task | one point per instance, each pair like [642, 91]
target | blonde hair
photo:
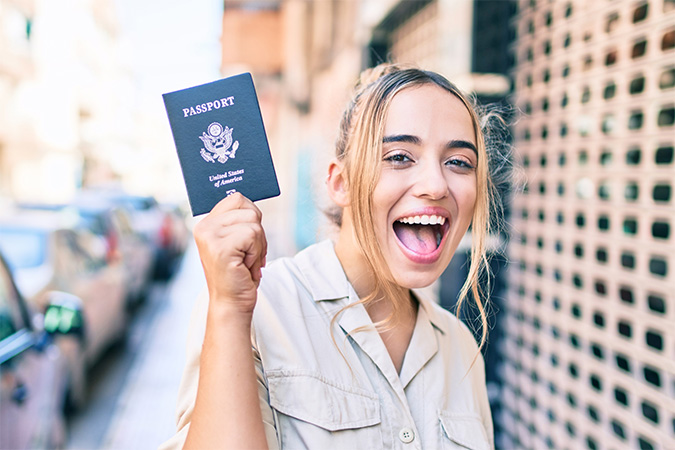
[359, 145]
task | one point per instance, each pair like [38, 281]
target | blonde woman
[333, 349]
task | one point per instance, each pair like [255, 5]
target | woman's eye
[398, 158]
[460, 163]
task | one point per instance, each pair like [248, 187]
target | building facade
[589, 344]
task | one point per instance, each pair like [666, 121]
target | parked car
[124, 244]
[46, 254]
[156, 224]
[33, 375]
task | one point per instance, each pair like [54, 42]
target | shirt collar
[327, 280]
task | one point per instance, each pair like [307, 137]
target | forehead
[429, 111]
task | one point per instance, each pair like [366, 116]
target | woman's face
[424, 200]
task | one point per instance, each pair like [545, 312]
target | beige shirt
[332, 385]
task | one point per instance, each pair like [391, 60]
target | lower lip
[419, 258]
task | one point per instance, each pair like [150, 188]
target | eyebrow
[455, 143]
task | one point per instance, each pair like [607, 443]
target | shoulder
[306, 269]
[291, 287]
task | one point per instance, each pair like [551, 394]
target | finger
[253, 244]
[236, 216]
[235, 201]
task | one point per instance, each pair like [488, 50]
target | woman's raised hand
[232, 247]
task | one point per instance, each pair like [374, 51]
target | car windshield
[23, 248]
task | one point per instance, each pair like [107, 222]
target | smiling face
[424, 199]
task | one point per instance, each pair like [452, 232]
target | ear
[338, 188]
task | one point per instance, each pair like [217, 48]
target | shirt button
[406, 435]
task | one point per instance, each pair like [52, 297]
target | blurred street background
[99, 272]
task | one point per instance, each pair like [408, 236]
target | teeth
[423, 220]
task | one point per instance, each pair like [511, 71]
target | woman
[332, 348]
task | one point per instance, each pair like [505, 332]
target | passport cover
[221, 142]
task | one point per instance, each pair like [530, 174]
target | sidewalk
[145, 413]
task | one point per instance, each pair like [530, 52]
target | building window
[630, 226]
[660, 230]
[566, 71]
[635, 120]
[632, 191]
[628, 260]
[625, 329]
[666, 117]
[667, 78]
[585, 95]
[580, 220]
[661, 192]
[656, 304]
[664, 155]
[601, 254]
[650, 412]
[652, 376]
[640, 13]
[668, 40]
[608, 123]
[633, 157]
[621, 396]
[658, 266]
[654, 339]
[578, 250]
[637, 85]
[588, 62]
[626, 295]
[644, 443]
[611, 58]
[618, 430]
[597, 351]
[622, 362]
[610, 91]
[639, 49]
[612, 22]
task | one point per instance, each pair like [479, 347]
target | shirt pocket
[312, 412]
[463, 431]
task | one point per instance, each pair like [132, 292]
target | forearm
[227, 412]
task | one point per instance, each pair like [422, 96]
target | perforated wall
[590, 326]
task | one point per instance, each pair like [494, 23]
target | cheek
[465, 194]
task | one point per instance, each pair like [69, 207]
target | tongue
[417, 238]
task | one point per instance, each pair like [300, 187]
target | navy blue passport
[221, 142]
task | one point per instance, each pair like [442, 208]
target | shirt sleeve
[187, 392]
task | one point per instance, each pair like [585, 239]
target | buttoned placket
[356, 323]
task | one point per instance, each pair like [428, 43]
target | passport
[221, 142]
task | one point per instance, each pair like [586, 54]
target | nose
[431, 182]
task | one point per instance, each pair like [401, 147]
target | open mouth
[421, 234]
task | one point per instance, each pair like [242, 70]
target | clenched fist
[232, 248]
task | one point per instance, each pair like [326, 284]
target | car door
[30, 377]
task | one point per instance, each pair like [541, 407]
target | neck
[361, 276]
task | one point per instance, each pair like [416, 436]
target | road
[132, 391]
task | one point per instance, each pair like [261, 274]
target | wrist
[222, 310]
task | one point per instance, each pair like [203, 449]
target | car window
[122, 222]
[23, 248]
[10, 315]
